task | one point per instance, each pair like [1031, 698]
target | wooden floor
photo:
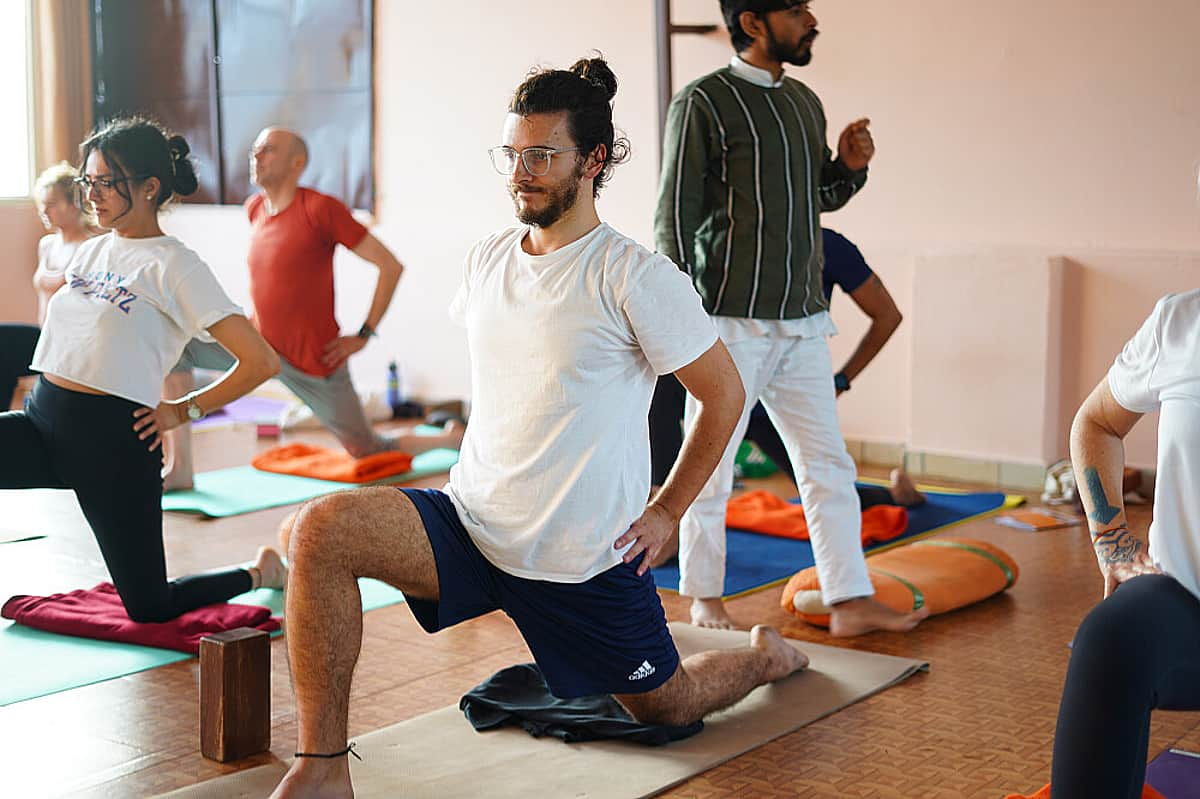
[980, 724]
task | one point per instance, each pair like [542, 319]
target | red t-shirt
[291, 273]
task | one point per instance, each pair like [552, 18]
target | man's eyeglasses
[105, 185]
[536, 159]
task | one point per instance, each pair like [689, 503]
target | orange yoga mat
[306, 460]
[942, 574]
[763, 512]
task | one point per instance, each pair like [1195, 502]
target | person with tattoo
[1139, 649]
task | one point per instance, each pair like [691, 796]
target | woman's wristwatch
[194, 411]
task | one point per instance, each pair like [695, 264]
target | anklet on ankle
[349, 749]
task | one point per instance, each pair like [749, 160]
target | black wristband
[841, 382]
[366, 331]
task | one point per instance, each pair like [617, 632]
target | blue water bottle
[393, 389]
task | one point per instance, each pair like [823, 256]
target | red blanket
[763, 512]
[98, 613]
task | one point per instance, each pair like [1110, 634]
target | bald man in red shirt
[294, 232]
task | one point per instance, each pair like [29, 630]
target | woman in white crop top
[131, 301]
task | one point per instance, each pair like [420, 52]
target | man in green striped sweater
[746, 175]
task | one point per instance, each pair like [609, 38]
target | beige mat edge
[440, 755]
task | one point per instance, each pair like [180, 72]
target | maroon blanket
[98, 613]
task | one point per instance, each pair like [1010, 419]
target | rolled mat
[941, 574]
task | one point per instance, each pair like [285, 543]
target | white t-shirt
[565, 350]
[1159, 369]
[53, 256]
[126, 312]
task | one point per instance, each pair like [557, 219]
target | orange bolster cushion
[942, 574]
[306, 460]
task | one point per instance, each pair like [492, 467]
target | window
[15, 156]
[218, 71]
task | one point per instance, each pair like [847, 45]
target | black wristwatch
[841, 382]
[365, 332]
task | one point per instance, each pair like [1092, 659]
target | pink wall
[1063, 130]
[20, 230]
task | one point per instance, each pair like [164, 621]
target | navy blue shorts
[607, 635]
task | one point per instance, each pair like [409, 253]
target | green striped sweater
[746, 175]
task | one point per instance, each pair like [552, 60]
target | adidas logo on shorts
[644, 671]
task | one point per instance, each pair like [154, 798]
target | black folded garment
[518, 696]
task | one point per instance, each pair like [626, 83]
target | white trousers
[794, 379]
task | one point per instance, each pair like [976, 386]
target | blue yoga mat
[754, 561]
[35, 663]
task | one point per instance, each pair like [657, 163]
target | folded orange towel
[1044, 793]
[763, 512]
[305, 460]
[942, 574]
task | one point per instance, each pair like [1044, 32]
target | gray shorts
[332, 399]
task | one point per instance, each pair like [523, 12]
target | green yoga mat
[34, 663]
[242, 489]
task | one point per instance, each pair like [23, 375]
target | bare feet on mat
[903, 490]
[270, 566]
[867, 614]
[784, 658]
[312, 778]
[710, 612]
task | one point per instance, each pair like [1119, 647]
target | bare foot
[710, 612]
[454, 430]
[866, 614]
[784, 658]
[270, 566]
[316, 779]
[903, 490]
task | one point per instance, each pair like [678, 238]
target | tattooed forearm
[1117, 545]
[1102, 512]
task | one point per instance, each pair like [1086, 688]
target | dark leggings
[17, 343]
[86, 442]
[666, 439]
[1137, 651]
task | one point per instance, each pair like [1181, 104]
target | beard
[560, 198]
[800, 54]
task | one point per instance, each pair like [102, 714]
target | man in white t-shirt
[1139, 649]
[569, 323]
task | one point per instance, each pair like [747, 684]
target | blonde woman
[69, 226]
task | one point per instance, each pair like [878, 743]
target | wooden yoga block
[235, 694]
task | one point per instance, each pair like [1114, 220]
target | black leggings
[86, 442]
[1137, 651]
[17, 343]
[666, 439]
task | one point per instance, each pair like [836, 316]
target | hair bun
[178, 147]
[597, 72]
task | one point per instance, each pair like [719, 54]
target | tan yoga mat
[440, 755]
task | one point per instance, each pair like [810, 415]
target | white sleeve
[199, 301]
[458, 306]
[668, 319]
[1129, 378]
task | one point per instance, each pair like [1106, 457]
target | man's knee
[316, 529]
